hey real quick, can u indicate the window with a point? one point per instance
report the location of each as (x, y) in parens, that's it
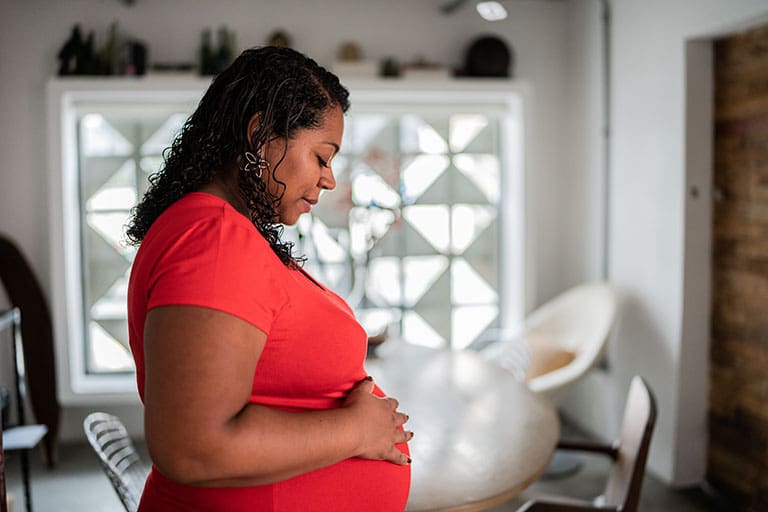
(410, 236)
(413, 236)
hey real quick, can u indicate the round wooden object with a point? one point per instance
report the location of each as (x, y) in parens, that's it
(480, 436)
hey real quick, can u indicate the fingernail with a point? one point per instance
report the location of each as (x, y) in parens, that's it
(407, 417)
(409, 460)
(369, 378)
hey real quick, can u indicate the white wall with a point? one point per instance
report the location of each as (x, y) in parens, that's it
(31, 33)
(584, 166)
(664, 332)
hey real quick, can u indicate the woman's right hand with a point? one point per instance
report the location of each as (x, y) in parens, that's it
(380, 424)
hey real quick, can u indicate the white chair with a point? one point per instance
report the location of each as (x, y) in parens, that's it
(559, 343)
(578, 321)
(561, 340)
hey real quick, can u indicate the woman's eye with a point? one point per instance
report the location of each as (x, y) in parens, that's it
(322, 162)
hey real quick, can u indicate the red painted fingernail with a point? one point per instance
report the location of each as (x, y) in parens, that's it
(409, 460)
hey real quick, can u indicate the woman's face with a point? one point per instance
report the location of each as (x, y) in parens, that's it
(306, 169)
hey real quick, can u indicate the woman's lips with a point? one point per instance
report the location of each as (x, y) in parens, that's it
(307, 204)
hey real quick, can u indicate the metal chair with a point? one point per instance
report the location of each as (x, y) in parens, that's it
(19, 437)
(118, 456)
(629, 453)
(3, 497)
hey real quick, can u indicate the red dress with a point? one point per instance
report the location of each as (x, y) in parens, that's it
(202, 252)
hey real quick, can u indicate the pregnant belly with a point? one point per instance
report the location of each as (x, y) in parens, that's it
(352, 485)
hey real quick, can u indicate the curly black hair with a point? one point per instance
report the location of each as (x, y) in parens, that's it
(288, 90)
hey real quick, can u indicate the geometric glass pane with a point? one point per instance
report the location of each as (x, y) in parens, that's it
(453, 187)
(464, 128)
(106, 353)
(110, 143)
(420, 174)
(483, 254)
(483, 171)
(418, 332)
(362, 130)
(111, 305)
(467, 222)
(372, 223)
(333, 206)
(105, 266)
(334, 276)
(467, 287)
(117, 328)
(432, 222)
(417, 136)
(328, 249)
(99, 138)
(386, 165)
(111, 226)
(421, 272)
(435, 306)
(383, 281)
(151, 163)
(371, 189)
(380, 221)
(118, 193)
(468, 322)
(379, 320)
(158, 141)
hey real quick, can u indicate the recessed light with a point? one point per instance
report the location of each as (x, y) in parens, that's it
(491, 11)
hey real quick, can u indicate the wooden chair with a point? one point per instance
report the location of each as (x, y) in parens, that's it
(118, 457)
(24, 291)
(629, 453)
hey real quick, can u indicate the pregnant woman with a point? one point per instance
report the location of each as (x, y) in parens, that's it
(250, 371)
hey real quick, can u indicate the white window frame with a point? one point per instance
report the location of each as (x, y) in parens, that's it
(501, 98)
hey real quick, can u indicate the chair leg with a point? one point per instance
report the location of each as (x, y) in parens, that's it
(50, 450)
(25, 479)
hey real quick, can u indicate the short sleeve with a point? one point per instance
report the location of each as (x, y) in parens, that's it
(221, 264)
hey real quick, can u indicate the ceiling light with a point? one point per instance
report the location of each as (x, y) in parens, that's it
(491, 11)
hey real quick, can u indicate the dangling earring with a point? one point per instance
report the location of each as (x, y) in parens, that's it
(254, 164)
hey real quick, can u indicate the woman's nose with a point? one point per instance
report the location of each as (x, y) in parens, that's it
(327, 179)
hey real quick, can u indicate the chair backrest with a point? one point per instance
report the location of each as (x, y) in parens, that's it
(24, 291)
(579, 318)
(118, 456)
(626, 478)
(579, 321)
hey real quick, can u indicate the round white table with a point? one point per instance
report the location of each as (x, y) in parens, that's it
(480, 436)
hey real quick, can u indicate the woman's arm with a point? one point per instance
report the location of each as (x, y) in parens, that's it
(201, 430)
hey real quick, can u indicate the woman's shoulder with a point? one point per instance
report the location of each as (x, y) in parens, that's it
(204, 225)
(201, 207)
(200, 211)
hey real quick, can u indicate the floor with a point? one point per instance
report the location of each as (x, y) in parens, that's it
(77, 484)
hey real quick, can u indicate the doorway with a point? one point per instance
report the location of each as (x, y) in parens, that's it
(737, 460)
